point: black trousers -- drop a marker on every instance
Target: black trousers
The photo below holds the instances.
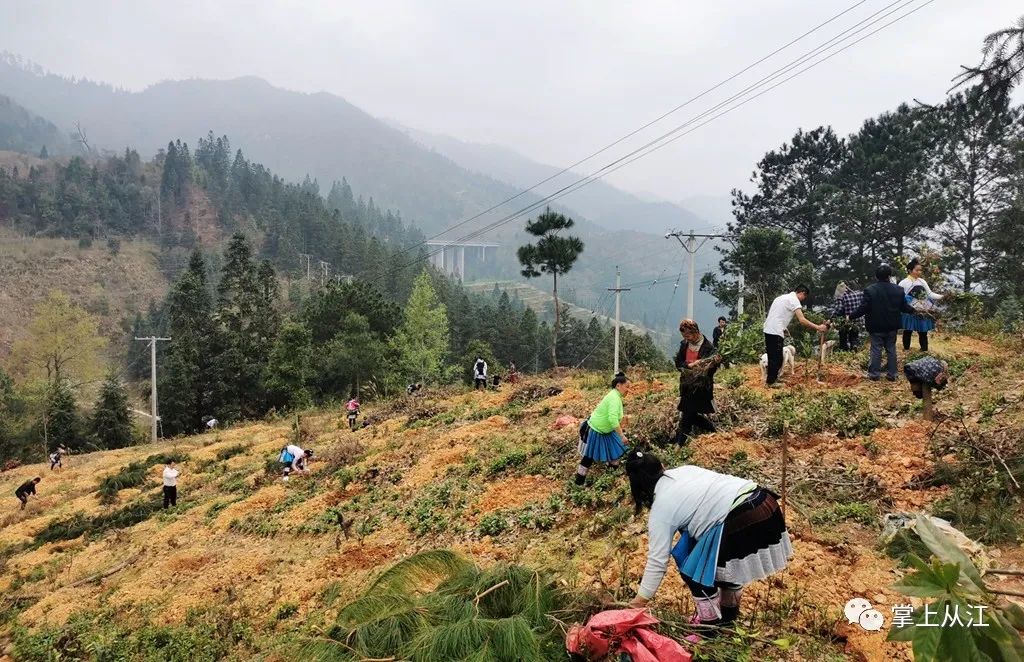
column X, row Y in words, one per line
column 170, row 496
column 690, row 420
column 773, row 348
column 848, row 339
column 922, row 338
column 480, row 383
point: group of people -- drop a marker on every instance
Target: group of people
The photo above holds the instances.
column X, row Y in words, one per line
column 730, row 530
column 480, row 378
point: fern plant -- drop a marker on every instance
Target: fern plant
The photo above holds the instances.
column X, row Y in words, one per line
column 437, row 605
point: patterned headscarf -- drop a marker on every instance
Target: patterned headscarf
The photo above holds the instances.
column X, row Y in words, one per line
column 688, row 326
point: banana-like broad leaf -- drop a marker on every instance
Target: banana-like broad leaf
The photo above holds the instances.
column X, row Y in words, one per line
column 946, row 550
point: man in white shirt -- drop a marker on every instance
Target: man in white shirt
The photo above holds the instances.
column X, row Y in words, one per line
column 170, row 485
column 780, row 314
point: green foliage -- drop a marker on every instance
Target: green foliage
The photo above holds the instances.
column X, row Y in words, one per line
column 133, row 475
column 422, row 340
column 64, row 424
column 862, row 513
column 73, row 526
column 952, row 582
column 466, row 613
column 289, row 368
column 766, row 257
column 493, row 524
column 111, row 419
column 513, row 458
column 847, row 413
column 258, row 525
column 229, row 452
column 742, row 342
column 204, row 637
column 285, row 611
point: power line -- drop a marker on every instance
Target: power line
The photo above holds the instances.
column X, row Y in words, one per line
column 670, row 137
column 645, row 126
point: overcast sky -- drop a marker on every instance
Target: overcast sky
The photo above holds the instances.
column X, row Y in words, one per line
column 553, row 80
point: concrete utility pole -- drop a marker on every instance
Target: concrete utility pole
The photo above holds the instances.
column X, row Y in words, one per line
column 324, row 267
column 739, row 301
column 689, row 243
column 618, row 289
column 153, row 340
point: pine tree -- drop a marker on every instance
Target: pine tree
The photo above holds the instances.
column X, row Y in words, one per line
column 63, row 424
column 288, row 369
column 111, row 419
column 422, row 340
column 238, row 364
column 552, row 254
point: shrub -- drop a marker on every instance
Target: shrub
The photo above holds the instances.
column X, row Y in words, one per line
column 513, row 458
column 231, row 451
column 493, row 524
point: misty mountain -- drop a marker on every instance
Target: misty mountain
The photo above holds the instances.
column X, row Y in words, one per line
column 599, row 201
column 23, row 131
column 326, row 137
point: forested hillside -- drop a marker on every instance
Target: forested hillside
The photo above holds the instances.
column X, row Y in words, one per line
column 324, row 137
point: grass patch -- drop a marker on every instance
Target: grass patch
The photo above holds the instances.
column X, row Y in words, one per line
column 857, row 511
column 848, row 414
column 231, row 451
column 78, row 524
column 258, row 525
column 511, row 459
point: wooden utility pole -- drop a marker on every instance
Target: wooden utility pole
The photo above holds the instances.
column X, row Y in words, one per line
column 153, row 340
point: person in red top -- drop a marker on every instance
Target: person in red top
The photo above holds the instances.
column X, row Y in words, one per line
column 696, row 396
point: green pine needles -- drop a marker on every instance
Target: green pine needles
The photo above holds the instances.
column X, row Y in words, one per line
column 438, row 605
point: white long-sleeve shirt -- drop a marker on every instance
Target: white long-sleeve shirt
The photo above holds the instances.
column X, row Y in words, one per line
column 910, row 283
column 298, row 457
column 480, row 371
column 170, row 477
column 689, row 498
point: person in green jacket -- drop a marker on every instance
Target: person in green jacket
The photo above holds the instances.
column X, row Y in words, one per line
column 605, row 441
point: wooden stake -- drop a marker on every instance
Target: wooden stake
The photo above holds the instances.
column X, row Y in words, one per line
column 926, row 393
column 821, row 355
column 785, row 462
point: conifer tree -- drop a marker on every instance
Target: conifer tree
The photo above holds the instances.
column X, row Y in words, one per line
column 422, row 340
column 63, row 424
column 288, row 369
column 111, row 419
column 552, row 254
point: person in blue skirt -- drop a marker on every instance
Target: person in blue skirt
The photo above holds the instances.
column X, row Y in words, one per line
column 605, row 440
column 921, row 297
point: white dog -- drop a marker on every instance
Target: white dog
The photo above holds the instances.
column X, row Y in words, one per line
column 829, row 347
column 788, row 359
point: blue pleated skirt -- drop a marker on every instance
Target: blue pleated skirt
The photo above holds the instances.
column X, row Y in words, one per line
column 604, row 447
column 917, row 323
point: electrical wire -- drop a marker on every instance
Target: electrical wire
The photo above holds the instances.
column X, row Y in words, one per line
column 673, row 135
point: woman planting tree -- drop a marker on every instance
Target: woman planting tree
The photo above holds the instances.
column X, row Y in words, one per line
column 697, row 363
column 732, row 533
column 920, row 296
column 605, row 440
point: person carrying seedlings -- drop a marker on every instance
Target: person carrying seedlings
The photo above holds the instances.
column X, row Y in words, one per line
column 480, row 374
column 716, row 334
column 920, row 297
column 352, row 406
column 780, row 314
column 696, row 362
column 171, row 474
column 883, row 304
column 513, row 372
column 26, row 488
column 731, row 533
column 929, row 371
column 605, row 440
column 295, row 458
column 847, row 302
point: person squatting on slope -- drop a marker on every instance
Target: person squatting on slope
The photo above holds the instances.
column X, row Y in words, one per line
column 731, row 533
column 921, row 299
column 929, row 371
column 605, row 440
column 26, row 488
column 883, row 304
column 780, row 314
column 696, row 394
column 480, row 374
column 294, row 458
column 171, row 474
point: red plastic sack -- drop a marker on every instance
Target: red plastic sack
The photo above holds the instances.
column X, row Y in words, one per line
column 625, row 630
column 564, row 421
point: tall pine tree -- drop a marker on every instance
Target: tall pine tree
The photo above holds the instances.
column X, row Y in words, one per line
column 111, row 423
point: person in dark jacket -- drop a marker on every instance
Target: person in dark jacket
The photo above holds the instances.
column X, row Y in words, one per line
column 883, row 308
column 716, row 335
column 696, row 396
column 28, row 487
